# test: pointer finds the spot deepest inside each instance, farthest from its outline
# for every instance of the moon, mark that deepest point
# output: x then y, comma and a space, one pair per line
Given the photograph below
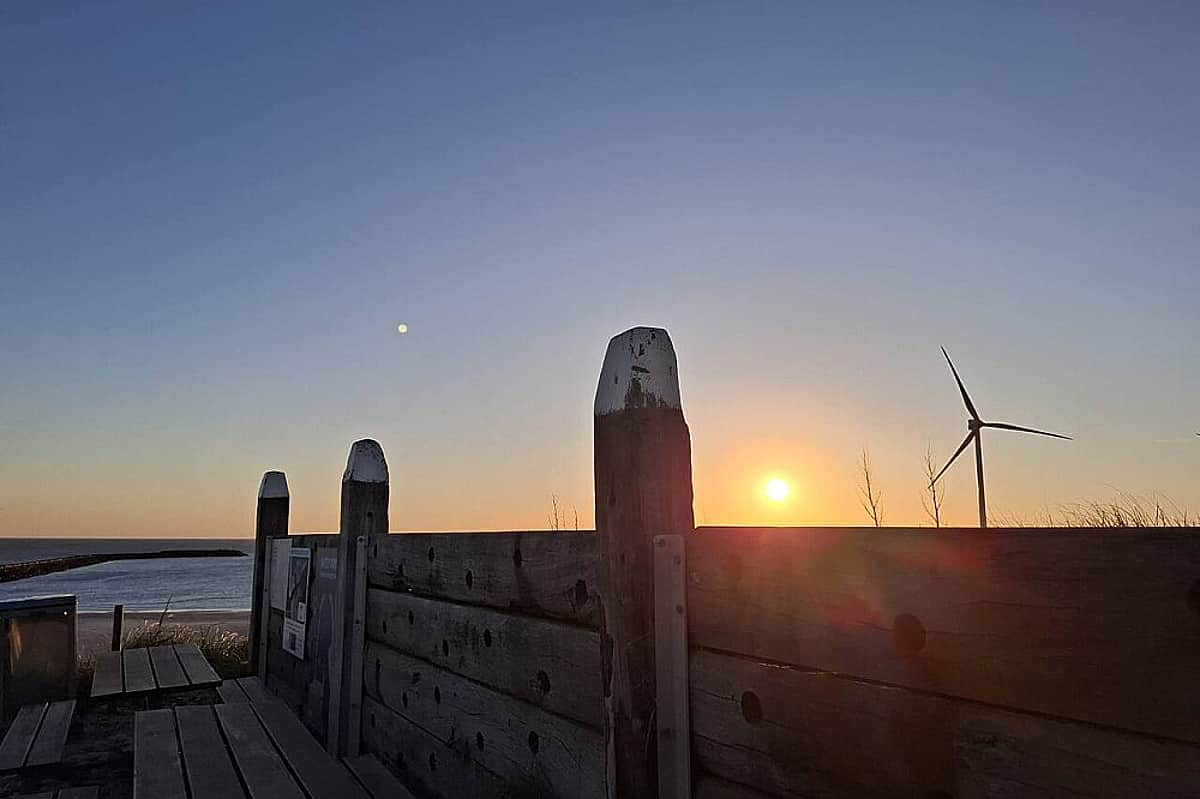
401, 328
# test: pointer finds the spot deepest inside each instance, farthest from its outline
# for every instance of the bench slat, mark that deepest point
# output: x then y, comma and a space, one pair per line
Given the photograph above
231, 693
85, 792
157, 771
139, 677
42, 795
375, 777
260, 765
19, 739
254, 690
199, 671
210, 772
108, 678
320, 775
52, 736
167, 671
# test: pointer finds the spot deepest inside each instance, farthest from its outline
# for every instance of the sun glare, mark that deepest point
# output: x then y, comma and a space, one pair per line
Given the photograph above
777, 490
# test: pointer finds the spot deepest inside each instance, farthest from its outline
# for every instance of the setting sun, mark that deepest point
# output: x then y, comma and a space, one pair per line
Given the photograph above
777, 490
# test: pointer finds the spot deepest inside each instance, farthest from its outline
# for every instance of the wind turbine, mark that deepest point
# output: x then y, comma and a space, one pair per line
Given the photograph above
975, 427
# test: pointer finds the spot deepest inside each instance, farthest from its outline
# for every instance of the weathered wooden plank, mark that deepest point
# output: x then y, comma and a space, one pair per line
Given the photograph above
550, 664
231, 693
261, 767
167, 671
804, 733
42, 795
81, 792
427, 766
518, 742
710, 787
254, 689
139, 677
108, 678
210, 771
671, 668
52, 735
14, 749
157, 771
1097, 625
196, 666
375, 778
549, 574
320, 775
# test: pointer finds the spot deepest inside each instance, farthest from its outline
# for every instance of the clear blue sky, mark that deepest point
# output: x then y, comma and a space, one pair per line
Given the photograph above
212, 217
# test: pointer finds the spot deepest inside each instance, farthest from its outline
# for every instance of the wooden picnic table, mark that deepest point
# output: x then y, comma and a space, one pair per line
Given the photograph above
253, 748
157, 668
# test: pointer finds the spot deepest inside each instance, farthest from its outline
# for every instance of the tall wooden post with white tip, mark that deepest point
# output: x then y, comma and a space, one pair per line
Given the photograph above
364, 514
643, 474
271, 521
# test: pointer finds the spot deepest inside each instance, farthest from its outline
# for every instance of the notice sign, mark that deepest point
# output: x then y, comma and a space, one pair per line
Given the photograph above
295, 615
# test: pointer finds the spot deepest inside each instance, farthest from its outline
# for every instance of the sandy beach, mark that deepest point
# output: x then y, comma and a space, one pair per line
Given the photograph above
95, 628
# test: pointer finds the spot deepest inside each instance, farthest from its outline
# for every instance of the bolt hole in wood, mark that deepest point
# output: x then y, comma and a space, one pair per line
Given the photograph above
517, 558
908, 634
432, 762
384, 623
445, 648
415, 678
581, 594
400, 569
377, 670
375, 550
437, 695
470, 579
404, 698
410, 618
431, 554
534, 742
479, 740
543, 681
487, 638
751, 707
372, 721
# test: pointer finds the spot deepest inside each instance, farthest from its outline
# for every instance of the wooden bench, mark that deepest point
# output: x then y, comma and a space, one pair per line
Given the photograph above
88, 792
212, 751
372, 775
158, 668
37, 735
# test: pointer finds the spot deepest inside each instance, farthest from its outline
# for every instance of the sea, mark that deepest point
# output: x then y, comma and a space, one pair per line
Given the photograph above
185, 583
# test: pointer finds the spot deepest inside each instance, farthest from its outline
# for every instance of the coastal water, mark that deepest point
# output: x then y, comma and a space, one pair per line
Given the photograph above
189, 583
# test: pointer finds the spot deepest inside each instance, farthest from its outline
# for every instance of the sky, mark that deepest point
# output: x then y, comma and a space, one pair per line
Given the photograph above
213, 216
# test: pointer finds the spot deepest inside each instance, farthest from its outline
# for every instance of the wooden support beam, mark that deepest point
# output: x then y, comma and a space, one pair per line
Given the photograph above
271, 521
364, 514
643, 482
671, 668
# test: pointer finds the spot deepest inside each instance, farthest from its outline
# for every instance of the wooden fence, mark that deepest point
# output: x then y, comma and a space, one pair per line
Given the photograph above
653, 658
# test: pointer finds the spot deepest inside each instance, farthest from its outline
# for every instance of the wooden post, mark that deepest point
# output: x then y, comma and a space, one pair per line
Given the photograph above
643, 479
364, 514
671, 668
118, 624
271, 521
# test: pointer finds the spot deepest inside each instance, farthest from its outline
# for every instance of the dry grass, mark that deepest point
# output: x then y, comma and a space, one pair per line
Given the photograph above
1124, 510
226, 651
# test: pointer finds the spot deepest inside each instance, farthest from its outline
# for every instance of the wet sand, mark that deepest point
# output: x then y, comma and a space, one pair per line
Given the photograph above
94, 631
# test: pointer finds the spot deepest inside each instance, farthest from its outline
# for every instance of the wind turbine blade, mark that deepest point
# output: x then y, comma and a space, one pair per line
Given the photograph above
961, 388
1003, 426
957, 452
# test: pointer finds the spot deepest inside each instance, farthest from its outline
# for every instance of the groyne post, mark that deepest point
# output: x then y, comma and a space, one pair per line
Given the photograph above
643, 484
271, 521
364, 513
